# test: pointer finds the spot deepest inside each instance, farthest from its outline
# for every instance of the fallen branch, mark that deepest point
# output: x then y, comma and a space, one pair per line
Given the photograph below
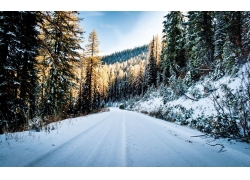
222, 146
205, 69
190, 98
199, 135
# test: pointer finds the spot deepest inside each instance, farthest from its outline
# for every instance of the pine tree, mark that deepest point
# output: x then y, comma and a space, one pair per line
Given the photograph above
60, 35
139, 79
18, 74
92, 62
158, 50
173, 55
199, 43
219, 35
229, 55
92, 49
234, 27
151, 69
245, 34
104, 81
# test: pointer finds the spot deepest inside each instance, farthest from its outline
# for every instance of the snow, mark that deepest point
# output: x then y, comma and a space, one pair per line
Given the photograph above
120, 138
204, 105
9, 68
152, 104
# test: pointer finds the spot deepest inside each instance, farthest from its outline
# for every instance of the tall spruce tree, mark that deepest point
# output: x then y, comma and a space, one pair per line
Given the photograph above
245, 34
151, 67
18, 74
199, 43
219, 34
173, 56
234, 27
60, 35
139, 79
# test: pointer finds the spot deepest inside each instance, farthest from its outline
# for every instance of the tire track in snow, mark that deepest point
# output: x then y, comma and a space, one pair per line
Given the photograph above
175, 144
143, 153
124, 141
97, 144
50, 153
109, 149
171, 144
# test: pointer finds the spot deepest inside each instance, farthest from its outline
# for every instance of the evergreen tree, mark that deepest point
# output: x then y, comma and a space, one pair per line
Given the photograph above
60, 35
104, 81
82, 73
219, 35
139, 79
92, 62
229, 55
123, 56
92, 49
158, 50
173, 55
18, 74
234, 28
151, 68
245, 33
200, 46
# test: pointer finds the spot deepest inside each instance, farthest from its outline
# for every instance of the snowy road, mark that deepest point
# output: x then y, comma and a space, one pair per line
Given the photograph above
124, 138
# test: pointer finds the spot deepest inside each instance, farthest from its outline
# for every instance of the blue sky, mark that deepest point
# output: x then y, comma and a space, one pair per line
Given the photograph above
120, 30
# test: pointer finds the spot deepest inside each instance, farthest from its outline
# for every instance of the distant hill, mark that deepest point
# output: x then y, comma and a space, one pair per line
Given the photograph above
125, 55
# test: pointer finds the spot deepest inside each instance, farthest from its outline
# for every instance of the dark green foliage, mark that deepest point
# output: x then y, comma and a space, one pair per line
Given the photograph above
18, 74
139, 81
234, 27
122, 106
151, 67
245, 33
199, 43
173, 55
219, 35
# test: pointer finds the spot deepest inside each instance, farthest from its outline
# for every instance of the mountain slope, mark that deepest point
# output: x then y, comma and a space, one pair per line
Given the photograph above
125, 55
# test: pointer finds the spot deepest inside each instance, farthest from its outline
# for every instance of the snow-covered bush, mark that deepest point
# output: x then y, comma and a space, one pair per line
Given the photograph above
218, 126
219, 70
222, 68
178, 114
157, 113
188, 79
181, 114
177, 85
232, 106
36, 124
202, 123
130, 104
225, 126
168, 95
196, 92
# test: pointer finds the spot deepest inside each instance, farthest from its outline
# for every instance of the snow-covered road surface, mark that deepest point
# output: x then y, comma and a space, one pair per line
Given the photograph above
120, 138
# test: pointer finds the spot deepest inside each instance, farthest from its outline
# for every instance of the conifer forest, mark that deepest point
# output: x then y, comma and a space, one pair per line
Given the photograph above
46, 75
